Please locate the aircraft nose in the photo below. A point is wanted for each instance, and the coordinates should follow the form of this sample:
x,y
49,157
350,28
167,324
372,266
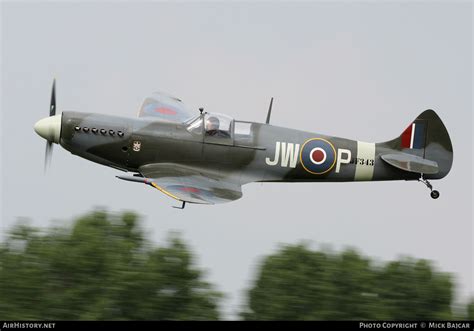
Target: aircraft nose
x,y
49,128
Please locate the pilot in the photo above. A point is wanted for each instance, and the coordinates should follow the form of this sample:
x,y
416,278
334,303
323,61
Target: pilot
x,y
212,126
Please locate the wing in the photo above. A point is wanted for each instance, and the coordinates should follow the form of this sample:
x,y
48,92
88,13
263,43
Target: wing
x,y
192,185
164,107
411,163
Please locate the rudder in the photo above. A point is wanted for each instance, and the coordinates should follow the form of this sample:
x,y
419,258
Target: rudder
x,y
428,138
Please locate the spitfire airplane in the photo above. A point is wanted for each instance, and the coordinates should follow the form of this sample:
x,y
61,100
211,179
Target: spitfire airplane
x,y
207,157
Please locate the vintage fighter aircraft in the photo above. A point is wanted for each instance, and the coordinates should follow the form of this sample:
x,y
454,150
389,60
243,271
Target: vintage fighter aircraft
x,y
207,157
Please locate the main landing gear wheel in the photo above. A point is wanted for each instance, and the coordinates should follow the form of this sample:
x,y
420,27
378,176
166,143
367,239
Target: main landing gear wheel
x,y
434,194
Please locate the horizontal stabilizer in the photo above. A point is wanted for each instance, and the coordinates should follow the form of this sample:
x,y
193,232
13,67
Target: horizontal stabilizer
x,y
411,163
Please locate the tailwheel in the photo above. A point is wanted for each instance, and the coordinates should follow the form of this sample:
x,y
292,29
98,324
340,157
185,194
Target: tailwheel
x,y
435,194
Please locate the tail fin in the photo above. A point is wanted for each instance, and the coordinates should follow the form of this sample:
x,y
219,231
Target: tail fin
x,y
427,138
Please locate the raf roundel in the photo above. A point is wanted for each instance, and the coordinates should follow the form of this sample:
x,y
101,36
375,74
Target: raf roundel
x,y
317,156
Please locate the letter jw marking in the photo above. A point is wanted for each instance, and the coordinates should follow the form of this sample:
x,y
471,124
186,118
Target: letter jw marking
x,y
289,155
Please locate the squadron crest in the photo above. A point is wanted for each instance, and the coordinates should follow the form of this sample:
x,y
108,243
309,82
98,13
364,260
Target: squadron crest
x,y
137,145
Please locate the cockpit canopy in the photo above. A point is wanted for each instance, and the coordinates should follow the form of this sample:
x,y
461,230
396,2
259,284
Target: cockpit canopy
x,y
215,125
221,129
218,125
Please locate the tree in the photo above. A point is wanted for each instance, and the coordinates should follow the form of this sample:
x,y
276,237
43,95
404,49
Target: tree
x,y
291,285
297,283
470,310
100,268
413,290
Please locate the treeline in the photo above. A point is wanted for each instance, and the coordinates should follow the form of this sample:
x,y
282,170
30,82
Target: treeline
x,y
297,283
103,268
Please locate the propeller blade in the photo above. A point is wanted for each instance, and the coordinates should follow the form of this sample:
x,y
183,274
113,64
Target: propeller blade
x,y
49,144
47,155
52,107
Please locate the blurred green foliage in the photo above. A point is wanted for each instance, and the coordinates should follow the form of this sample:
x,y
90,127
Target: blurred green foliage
x,y
470,310
100,269
297,283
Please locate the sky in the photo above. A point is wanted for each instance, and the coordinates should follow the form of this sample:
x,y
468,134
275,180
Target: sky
x,y
362,71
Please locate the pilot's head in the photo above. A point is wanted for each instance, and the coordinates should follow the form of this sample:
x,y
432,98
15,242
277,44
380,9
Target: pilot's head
x,y
212,124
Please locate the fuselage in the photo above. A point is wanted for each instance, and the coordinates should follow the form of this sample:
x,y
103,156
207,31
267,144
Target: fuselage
x,y
207,158
253,151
